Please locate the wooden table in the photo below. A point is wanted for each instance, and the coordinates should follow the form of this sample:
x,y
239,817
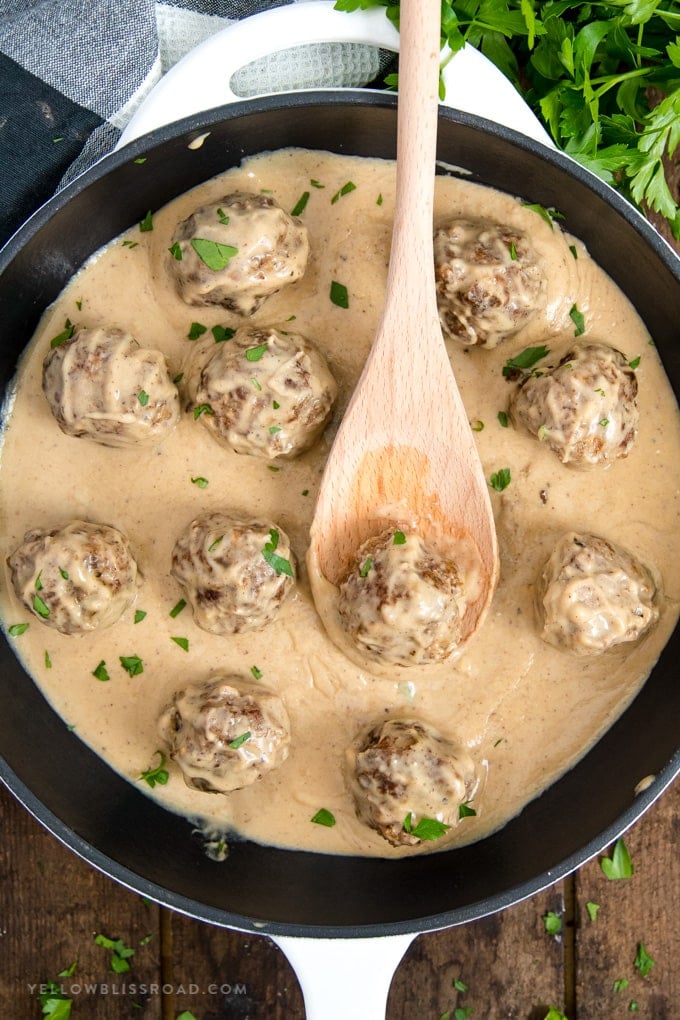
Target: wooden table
x,y
52,905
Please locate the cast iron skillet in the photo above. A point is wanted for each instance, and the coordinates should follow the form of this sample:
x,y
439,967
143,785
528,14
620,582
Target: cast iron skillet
x,y
111,823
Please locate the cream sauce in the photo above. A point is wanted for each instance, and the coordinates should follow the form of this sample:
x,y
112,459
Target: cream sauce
x,y
525,710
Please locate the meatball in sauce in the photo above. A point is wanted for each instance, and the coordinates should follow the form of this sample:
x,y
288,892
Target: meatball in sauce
x,y
225,733
266,392
102,385
237,252
78,578
408,781
585,408
235,572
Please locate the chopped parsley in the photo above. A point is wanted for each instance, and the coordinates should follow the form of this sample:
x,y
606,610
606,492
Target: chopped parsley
x,y
344,190
549,215
477,425
140,614
257,673
147,223
213,254
379,199
132,664
53,1001
256,353
176,251
552,923
301,204
120,953
240,740
156,775
273,429
503,419
195,330
276,562
222,333
366,566
593,910
573,250
177,609
634,363
214,544
524,361
465,810
643,961
130,244
399,538
178,378
500,480
619,865
66,334
222,216
201,482
324,817
182,642
578,320
202,409
316,184
17,629
40,607
513,251
100,672
339,295
143,397
425,828
48,660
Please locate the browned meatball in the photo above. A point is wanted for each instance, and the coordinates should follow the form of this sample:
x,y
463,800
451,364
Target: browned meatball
x,y
235,573
408,781
102,385
399,602
237,252
225,733
264,392
593,595
78,578
585,408
489,281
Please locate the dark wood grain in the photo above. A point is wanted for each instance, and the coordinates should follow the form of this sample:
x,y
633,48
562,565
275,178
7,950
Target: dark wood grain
x,y
52,905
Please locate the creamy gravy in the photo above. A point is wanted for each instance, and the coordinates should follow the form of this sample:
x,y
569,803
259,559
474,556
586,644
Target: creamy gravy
x,y
525,710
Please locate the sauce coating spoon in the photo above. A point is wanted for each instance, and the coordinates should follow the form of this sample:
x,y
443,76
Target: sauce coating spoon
x,y
405,450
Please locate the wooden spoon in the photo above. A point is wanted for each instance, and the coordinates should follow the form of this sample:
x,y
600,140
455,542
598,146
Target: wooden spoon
x,y
405,451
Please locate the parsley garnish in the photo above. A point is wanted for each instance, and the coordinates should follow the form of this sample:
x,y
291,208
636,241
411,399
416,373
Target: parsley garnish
x,y
156,774
324,817
399,538
344,190
278,563
176,251
132,664
524,361
195,330
139,615
66,334
222,216
40,607
634,363
147,223
593,910
477,425
300,204
54,1003
201,482
100,672
503,419
213,254
143,397
578,320
120,953
619,865
177,608
643,961
549,215
202,409
620,984
339,295
256,353
17,629
257,673
465,810
366,566
48,660
500,480
182,642
213,545
552,923
425,828
222,333
238,741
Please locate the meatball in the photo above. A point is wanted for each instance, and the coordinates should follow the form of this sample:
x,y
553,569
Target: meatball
x,y
408,781
237,252
102,385
235,573
584,409
593,595
264,392
225,733
78,578
489,283
399,603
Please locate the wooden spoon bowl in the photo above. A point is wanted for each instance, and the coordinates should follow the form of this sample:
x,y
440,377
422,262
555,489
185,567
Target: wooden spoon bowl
x,y
404,452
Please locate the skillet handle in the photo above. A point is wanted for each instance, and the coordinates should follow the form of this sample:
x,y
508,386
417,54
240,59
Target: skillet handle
x,y
201,80
332,972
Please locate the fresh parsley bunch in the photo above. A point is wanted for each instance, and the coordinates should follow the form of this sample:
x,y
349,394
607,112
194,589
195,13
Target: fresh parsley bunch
x,y
604,78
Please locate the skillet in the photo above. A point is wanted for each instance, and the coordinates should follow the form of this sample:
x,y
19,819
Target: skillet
x,y
286,893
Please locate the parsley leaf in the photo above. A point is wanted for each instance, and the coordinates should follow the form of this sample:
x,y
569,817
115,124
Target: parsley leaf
x,y
425,828
213,254
156,774
643,961
500,480
324,817
120,953
132,664
619,865
278,563
339,295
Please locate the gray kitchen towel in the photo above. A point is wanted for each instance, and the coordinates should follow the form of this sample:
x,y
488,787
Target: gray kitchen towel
x,y
72,73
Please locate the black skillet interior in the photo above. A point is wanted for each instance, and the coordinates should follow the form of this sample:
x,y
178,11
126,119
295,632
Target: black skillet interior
x,y
111,823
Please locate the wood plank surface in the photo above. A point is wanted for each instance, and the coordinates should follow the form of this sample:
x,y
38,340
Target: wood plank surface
x,y
52,905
